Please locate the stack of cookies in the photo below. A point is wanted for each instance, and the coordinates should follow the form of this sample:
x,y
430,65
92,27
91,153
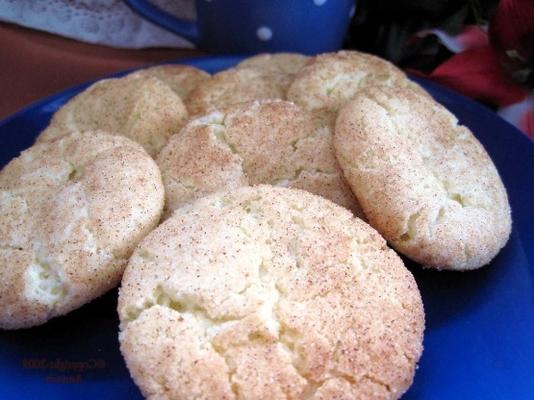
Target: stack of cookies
x,y
247,214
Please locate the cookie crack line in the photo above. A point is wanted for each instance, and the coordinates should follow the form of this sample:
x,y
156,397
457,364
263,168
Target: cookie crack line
x,y
284,332
164,299
274,329
377,381
44,278
184,185
180,304
221,137
287,181
90,222
286,336
10,247
315,132
219,134
47,284
229,366
449,194
312,385
77,169
411,231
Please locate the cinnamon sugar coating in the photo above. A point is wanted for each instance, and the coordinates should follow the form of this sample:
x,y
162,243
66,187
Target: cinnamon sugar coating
x,y
269,293
72,211
423,180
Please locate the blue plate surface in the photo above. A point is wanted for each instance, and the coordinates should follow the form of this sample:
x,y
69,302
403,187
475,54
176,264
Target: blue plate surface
x,y
479,339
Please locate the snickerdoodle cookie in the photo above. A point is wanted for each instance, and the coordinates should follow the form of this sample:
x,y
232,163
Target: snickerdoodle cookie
x,y
423,180
281,67
183,79
233,86
269,293
72,211
140,107
269,141
330,80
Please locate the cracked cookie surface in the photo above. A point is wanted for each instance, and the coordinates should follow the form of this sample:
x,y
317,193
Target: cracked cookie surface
x,y
182,79
270,141
280,67
328,81
423,180
269,293
234,86
141,107
72,210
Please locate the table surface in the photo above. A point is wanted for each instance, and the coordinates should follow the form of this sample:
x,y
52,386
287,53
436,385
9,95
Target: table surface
x,y
35,64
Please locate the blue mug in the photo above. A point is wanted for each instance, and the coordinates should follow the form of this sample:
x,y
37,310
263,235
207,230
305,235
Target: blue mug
x,y
255,26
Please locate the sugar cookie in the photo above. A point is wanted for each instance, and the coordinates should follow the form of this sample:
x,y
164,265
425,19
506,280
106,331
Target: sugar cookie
x,y
269,141
423,180
269,293
142,108
183,79
72,210
233,86
281,67
330,80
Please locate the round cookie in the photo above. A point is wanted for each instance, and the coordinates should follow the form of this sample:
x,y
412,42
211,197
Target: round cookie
x,y
330,80
142,108
281,67
233,86
269,293
183,79
423,180
72,211
269,141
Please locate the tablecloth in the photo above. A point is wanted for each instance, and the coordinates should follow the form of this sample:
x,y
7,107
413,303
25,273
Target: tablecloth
x,y
35,64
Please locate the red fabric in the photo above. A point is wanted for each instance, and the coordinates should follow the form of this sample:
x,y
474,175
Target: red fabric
x,y
512,29
485,68
526,123
473,37
477,73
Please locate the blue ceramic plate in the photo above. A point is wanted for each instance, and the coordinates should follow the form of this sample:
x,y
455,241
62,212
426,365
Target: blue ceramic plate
x,y
479,340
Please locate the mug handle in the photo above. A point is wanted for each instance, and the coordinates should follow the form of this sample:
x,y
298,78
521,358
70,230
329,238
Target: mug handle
x,y
186,29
